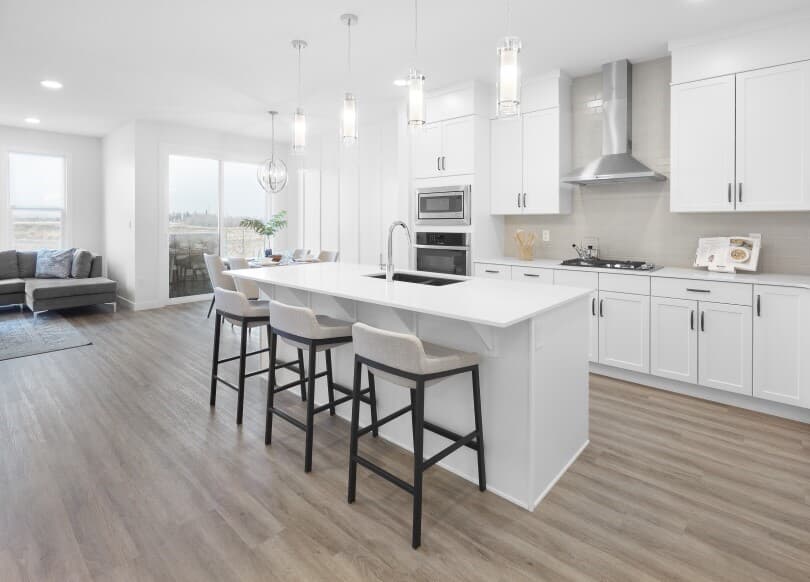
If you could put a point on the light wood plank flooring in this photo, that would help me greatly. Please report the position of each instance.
(113, 467)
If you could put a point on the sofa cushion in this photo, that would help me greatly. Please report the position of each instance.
(82, 263)
(12, 286)
(54, 264)
(8, 265)
(52, 288)
(26, 264)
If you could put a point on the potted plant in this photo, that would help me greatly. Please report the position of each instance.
(267, 229)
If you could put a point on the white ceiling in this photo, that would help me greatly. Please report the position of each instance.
(221, 63)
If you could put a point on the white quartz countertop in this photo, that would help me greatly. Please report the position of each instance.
(673, 272)
(476, 300)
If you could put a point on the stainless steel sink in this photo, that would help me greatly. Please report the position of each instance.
(431, 280)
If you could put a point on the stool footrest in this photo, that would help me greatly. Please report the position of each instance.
(448, 434)
(383, 421)
(329, 405)
(289, 418)
(257, 372)
(452, 448)
(292, 366)
(232, 358)
(390, 477)
(228, 384)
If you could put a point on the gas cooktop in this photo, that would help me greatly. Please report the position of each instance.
(610, 264)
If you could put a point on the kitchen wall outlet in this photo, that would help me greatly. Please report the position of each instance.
(546, 236)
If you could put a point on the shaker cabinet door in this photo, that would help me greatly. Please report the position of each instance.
(624, 331)
(724, 347)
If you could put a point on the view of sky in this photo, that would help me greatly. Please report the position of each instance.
(36, 181)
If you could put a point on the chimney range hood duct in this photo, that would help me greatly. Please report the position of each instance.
(616, 164)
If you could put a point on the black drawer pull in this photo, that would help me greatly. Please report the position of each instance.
(698, 290)
(491, 271)
(530, 275)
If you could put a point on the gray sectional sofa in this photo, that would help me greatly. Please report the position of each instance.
(21, 287)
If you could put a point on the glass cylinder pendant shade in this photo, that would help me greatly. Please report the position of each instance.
(348, 125)
(299, 132)
(508, 77)
(272, 175)
(416, 98)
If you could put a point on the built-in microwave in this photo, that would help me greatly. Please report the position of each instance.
(447, 205)
(443, 252)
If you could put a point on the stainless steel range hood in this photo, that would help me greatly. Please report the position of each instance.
(616, 164)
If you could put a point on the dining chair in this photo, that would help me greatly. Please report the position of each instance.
(300, 254)
(328, 256)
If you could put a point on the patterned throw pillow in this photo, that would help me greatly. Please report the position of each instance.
(82, 263)
(52, 264)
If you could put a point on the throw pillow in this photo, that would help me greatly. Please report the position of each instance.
(52, 264)
(82, 263)
(27, 264)
(8, 265)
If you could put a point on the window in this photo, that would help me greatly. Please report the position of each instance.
(207, 200)
(36, 201)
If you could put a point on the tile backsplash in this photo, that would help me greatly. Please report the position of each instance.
(633, 221)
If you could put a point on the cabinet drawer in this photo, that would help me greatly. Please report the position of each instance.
(711, 291)
(493, 271)
(576, 279)
(638, 284)
(533, 274)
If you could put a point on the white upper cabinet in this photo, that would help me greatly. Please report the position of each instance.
(724, 347)
(624, 330)
(773, 138)
(702, 146)
(673, 339)
(444, 148)
(542, 191)
(782, 344)
(506, 165)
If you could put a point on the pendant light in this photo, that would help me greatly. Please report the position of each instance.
(348, 124)
(272, 174)
(416, 80)
(299, 140)
(508, 71)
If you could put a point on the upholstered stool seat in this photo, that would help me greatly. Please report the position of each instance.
(406, 360)
(301, 328)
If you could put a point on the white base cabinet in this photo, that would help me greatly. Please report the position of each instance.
(674, 339)
(724, 347)
(624, 330)
(782, 344)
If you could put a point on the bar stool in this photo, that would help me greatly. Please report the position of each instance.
(301, 328)
(239, 311)
(407, 361)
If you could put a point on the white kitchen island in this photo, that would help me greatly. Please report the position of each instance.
(533, 343)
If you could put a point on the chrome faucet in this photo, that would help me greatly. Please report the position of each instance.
(389, 267)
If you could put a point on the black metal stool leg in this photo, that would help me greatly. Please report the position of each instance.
(301, 375)
(482, 474)
(215, 360)
(419, 414)
(211, 308)
(271, 386)
(372, 397)
(358, 368)
(330, 386)
(242, 357)
(310, 409)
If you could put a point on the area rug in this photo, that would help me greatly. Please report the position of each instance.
(21, 335)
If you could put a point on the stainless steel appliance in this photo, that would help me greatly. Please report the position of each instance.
(446, 205)
(610, 264)
(443, 252)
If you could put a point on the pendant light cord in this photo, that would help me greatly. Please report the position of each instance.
(300, 84)
(415, 30)
(508, 17)
(273, 136)
(349, 49)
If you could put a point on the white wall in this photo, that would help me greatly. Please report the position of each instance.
(119, 208)
(84, 226)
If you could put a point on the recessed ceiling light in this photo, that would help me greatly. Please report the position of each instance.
(32, 120)
(401, 82)
(51, 84)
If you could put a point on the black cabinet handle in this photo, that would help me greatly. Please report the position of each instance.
(593, 306)
(444, 163)
(759, 305)
(601, 308)
(438, 163)
(692, 319)
(739, 192)
(698, 290)
(530, 275)
(518, 201)
(729, 192)
(702, 321)
(524, 200)
(491, 271)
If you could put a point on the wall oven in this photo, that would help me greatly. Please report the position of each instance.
(443, 252)
(447, 205)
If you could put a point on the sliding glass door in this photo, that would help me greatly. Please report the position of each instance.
(207, 200)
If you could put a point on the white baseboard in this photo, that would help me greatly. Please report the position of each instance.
(711, 394)
(559, 476)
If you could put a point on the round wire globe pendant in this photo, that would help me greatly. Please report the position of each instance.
(272, 174)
